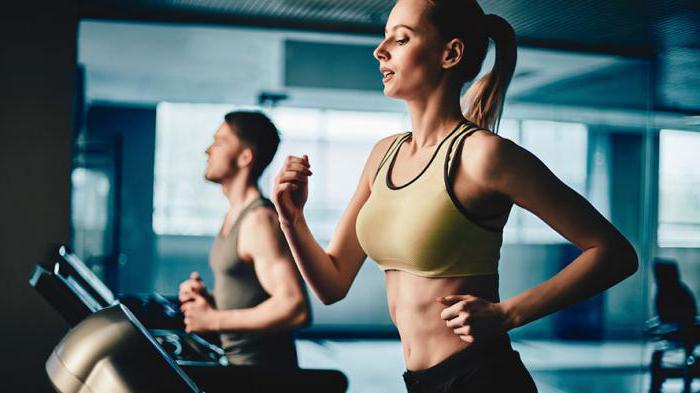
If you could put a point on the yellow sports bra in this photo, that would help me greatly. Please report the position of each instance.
(420, 227)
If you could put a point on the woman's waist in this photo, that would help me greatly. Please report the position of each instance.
(416, 312)
(424, 347)
(458, 357)
(408, 292)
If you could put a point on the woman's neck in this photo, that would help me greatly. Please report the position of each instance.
(433, 116)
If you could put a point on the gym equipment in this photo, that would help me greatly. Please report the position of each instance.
(114, 350)
(110, 351)
(675, 329)
(76, 293)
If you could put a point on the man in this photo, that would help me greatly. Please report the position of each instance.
(258, 296)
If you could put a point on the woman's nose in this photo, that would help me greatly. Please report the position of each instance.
(380, 53)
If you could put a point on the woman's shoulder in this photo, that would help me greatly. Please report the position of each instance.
(485, 155)
(388, 140)
(488, 143)
(379, 151)
(382, 146)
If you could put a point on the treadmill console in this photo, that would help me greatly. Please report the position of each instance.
(76, 293)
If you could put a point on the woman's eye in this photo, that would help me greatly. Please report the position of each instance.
(401, 41)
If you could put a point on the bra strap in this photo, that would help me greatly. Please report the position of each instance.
(453, 153)
(390, 152)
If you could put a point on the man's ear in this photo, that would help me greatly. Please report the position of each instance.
(453, 52)
(245, 159)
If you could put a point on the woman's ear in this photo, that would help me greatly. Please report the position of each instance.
(454, 50)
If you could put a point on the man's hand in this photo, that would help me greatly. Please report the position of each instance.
(200, 317)
(191, 287)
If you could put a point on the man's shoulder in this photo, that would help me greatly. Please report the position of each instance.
(260, 234)
(261, 218)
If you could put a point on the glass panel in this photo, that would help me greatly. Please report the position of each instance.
(563, 147)
(679, 189)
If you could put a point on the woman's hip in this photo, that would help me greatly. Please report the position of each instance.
(491, 366)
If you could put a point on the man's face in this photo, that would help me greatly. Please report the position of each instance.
(222, 154)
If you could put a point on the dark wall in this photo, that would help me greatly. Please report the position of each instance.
(133, 128)
(37, 68)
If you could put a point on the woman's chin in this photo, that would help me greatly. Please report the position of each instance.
(390, 92)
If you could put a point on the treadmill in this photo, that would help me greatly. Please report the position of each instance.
(76, 293)
(146, 333)
(111, 352)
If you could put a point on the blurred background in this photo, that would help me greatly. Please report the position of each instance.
(109, 106)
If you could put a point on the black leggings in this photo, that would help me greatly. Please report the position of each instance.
(491, 367)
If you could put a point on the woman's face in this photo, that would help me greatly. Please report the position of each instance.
(410, 54)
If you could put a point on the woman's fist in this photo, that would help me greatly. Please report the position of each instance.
(473, 318)
(291, 189)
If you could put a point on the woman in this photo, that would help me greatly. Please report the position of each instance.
(431, 205)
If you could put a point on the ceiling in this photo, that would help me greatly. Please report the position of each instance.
(666, 34)
(621, 26)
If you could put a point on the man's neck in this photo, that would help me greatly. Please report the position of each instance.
(239, 192)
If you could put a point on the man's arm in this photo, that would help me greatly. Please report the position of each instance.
(261, 241)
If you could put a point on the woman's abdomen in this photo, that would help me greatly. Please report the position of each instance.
(425, 338)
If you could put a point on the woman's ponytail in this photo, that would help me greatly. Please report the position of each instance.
(486, 96)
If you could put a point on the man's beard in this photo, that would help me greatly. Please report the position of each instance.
(216, 180)
(230, 173)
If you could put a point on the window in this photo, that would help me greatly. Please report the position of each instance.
(563, 147)
(183, 202)
(186, 204)
(679, 189)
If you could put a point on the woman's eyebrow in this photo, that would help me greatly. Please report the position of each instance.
(400, 25)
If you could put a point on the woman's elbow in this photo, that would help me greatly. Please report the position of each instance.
(628, 261)
(330, 295)
(300, 315)
(329, 299)
(301, 319)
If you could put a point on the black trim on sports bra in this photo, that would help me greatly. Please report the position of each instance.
(396, 153)
(451, 170)
(386, 155)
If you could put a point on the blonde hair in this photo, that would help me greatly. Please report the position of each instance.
(486, 97)
(464, 19)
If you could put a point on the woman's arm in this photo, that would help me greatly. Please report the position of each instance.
(607, 257)
(329, 272)
(499, 167)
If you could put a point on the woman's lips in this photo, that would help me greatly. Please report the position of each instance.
(387, 74)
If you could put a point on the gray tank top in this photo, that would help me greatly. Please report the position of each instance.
(236, 286)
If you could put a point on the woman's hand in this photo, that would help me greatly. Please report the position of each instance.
(291, 189)
(199, 315)
(472, 318)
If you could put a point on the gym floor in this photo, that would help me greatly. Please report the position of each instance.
(557, 367)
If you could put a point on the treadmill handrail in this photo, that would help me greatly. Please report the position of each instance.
(106, 295)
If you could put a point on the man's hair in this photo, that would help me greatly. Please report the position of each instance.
(259, 133)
